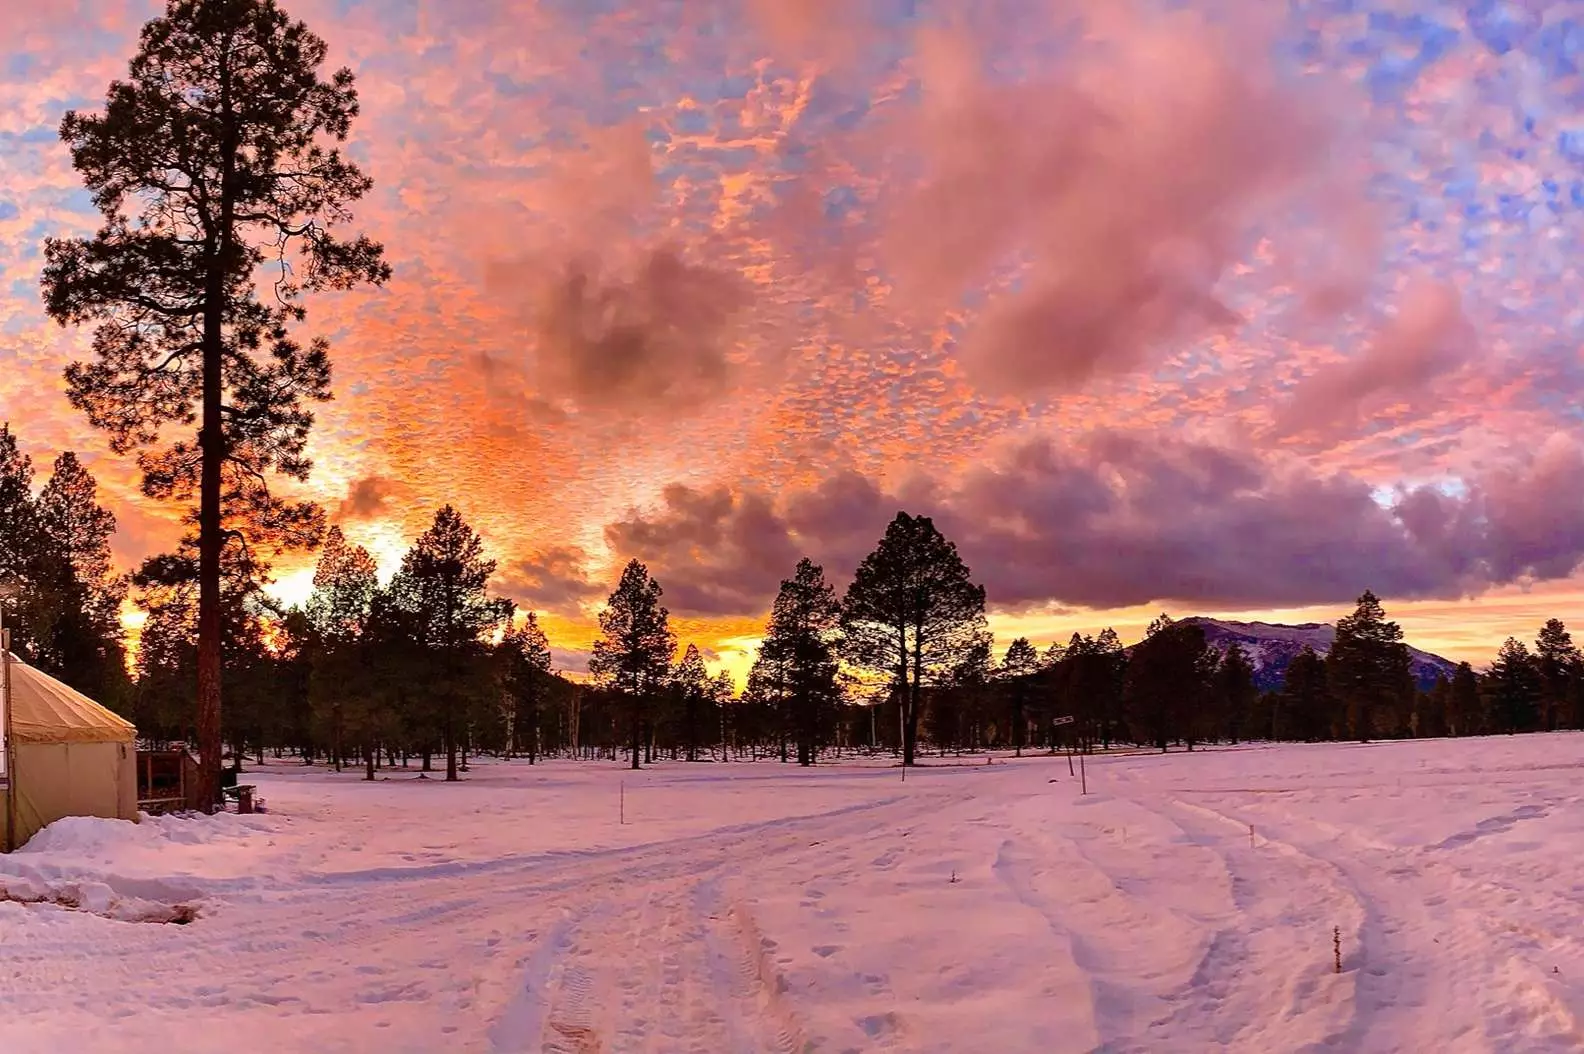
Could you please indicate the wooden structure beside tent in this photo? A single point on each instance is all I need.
(69, 756)
(167, 781)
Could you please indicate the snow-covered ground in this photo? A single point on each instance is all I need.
(747, 908)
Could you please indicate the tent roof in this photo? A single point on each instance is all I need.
(43, 710)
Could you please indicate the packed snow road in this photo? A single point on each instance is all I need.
(1188, 902)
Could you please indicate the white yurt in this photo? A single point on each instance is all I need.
(69, 756)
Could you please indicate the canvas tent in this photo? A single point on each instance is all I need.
(69, 756)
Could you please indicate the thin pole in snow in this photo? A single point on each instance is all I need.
(622, 806)
(1082, 775)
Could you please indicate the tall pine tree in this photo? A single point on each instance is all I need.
(1369, 668)
(912, 614)
(1236, 693)
(214, 162)
(1513, 689)
(632, 655)
(84, 641)
(23, 593)
(798, 656)
(341, 691)
(1305, 708)
(440, 601)
(1018, 668)
(1465, 709)
(694, 688)
(1557, 660)
(525, 651)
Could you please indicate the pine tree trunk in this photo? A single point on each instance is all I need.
(368, 760)
(210, 541)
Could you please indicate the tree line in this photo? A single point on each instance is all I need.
(429, 668)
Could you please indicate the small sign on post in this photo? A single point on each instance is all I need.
(1067, 720)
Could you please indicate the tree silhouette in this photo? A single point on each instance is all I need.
(1369, 668)
(1236, 692)
(210, 163)
(526, 654)
(440, 600)
(799, 655)
(23, 598)
(341, 695)
(1018, 667)
(633, 653)
(1465, 712)
(1513, 688)
(694, 690)
(1557, 661)
(911, 614)
(82, 645)
(1168, 683)
(1304, 706)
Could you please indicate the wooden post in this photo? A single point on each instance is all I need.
(1082, 775)
(622, 814)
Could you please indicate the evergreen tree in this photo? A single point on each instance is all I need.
(1305, 707)
(526, 653)
(84, 640)
(210, 164)
(632, 655)
(24, 598)
(1018, 668)
(769, 695)
(1557, 661)
(1513, 689)
(912, 614)
(440, 600)
(1433, 708)
(1369, 668)
(1168, 683)
(1465, 712)
(964, 699)
(797, 663)
(1110, 660)
(693, 688)
(341, 689)
(1236, 693)
(167, 660)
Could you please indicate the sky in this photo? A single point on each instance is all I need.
(1213, 308)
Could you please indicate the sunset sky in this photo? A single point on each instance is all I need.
(1210, 307)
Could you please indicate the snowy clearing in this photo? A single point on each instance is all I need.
(749, 908)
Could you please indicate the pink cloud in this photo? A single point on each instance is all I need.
(1428, 338)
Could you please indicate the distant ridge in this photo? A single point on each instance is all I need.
(1272, 647)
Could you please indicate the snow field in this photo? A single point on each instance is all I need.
(758, 908)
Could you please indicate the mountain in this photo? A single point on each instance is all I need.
(1272, 647)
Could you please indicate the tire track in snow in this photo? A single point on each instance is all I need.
(1268, 981)
(1402, 985)
(762, 1021)
(1432, 914)
(651, 969)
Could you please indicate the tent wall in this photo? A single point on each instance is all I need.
(53, 780)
